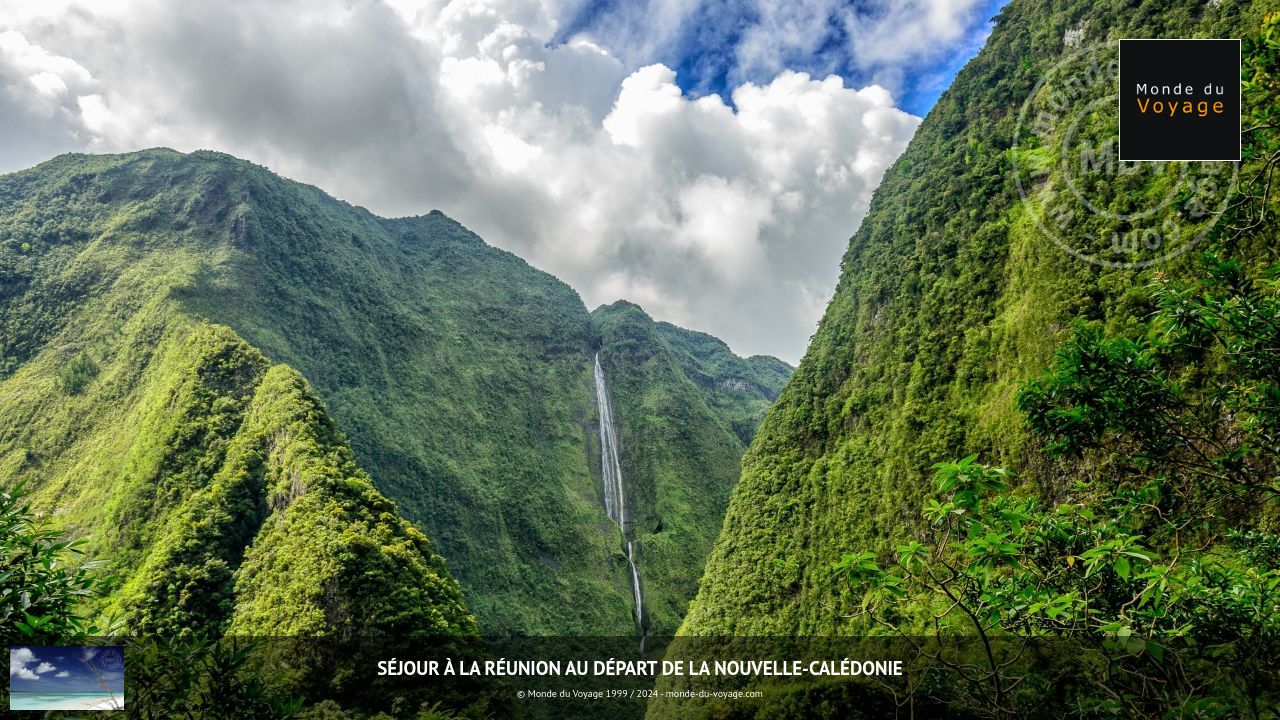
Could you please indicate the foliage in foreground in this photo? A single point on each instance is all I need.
(1159, 561)
(196, 678)
(46, 594)
(43, 579)
(1155, 576)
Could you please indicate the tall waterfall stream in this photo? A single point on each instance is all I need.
(615, 496)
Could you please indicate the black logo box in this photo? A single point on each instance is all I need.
(1185, 65)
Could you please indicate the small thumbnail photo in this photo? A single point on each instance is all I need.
(66, 678)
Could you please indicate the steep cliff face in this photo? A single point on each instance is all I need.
(950, 297)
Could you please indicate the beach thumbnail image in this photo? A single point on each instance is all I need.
(66, 678)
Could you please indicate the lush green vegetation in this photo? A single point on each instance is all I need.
(1159, 613)
(288, 537)
(141, 296)
(950, 298)
(147, 301)
(1154, 558)
(77, 374)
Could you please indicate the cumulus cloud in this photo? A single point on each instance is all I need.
(62, 673)
(19, 659)
(40, 96)
(24, 664)
(723, 214)
(723, 219)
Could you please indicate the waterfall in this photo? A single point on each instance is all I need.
(615, 497)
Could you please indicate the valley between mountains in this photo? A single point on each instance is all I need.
(223, 380)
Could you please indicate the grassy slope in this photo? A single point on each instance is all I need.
(460, 374)
(948, 299)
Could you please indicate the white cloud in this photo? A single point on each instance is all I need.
(902, 35)
(881, 36)
(726, 219)
(39, 96)
(899, 30)
(20, 660)
(44, 667)
(62, 673)
(723, 220)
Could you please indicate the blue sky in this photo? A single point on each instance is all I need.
(706, 159)
(705, 51)
(65, 669)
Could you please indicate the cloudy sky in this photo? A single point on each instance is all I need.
(707, 159)
(66, 669)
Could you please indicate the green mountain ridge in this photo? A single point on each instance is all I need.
(230, 463)
(949, 299)
(140, 297)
